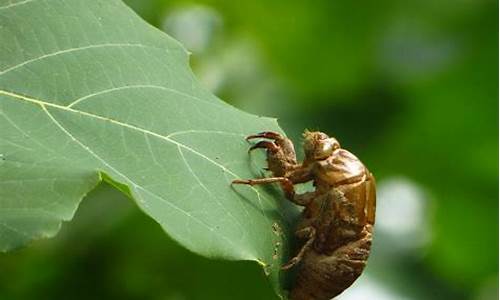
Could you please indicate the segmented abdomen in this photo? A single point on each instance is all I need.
(322, 277)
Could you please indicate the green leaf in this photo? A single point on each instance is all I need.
(90, 92)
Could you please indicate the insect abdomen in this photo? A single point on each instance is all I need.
(322, 277)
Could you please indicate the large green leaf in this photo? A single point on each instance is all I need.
(90, 92)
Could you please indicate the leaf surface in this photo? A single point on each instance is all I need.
(90, 92)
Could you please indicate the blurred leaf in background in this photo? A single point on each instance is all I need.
(410, 87)
(111, 251)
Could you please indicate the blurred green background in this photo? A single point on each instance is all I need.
(411, 87)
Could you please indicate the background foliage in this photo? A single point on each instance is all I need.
(410, 87)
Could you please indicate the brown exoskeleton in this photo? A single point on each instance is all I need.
(338, 218)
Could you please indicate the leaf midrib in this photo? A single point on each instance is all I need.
(44, 104)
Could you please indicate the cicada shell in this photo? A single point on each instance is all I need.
(338, 217)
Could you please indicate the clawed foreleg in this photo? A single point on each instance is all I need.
(269, 146)
(281, 156)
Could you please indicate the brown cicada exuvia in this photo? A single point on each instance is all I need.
(337, 222)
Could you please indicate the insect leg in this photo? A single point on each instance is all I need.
(307, 232)
(262, 180)
(300, 174)
(286, 184)
(281, 153)
(270, 146)
(265, 135)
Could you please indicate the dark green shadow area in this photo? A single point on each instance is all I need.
(113, 251)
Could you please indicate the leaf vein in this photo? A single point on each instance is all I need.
(203, 131)
(60, 107)
(138, 86)
(16, 4)
(21, 180)
(15, 230)
(69, 50)
(135, 185)
(197, 178)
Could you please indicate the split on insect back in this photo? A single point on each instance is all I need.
(336, 225)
